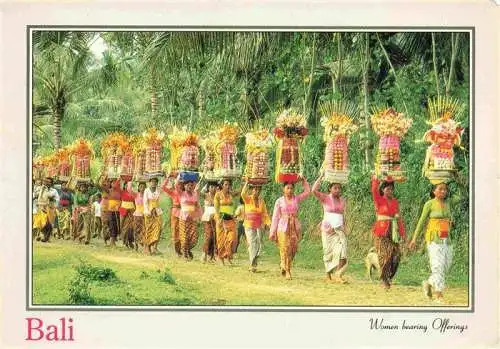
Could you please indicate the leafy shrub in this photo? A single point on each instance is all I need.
(93, 273)
(167, 277)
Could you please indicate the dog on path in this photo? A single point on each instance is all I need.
(372, 265)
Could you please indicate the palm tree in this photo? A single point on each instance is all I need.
(65, 69)
(246, 55)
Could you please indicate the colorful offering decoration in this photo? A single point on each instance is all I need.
(290, 131)
(338, 123)
(112, 151)
(52, 166)
(139, 158)
(210, 147)
(184, 154)
(127, 165)
(258, 146)
(226, 165)
(390, 126)
(82, 153)
(153, 141)
(38, 168)
(64, 163)
(444, 134)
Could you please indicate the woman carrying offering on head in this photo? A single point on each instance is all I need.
(83, 211)
(208, 219)
(388, 229)
(436, 217)
(174, 192)
(285, 226)
(226, 224)
(127, 210)
(255, 220)
(333, 230)
(188, 218)
(138, 224)
(152, 217)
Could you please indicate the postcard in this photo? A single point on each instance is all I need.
(207, 174)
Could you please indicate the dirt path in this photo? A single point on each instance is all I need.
(214, 284)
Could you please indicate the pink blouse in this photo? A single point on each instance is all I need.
(138, 200)
(330, 205)
(175, 197)
(285, 209)
(139, 205)
(189, 204)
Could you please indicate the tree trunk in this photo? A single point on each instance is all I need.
(307, 97)
(252, 96)
(201, 101)
(57, 128)
(366, 69)
(454, 50)
(436, 77)
(386, 55)
(339, 55)
(154, 103)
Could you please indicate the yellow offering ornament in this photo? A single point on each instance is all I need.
(226, 165)
(337, 119)
(258, 146)
(113, 147)
(82, 153)
(390, 125)
(290, 131)
(153, 141)
(444, 134)
(210, 147)
(184, 154)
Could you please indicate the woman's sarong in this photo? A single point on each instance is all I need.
(83, 224)
(174, 228)
(152, 229)
(333, 240)
(388, 257)
(188, 235)
(65, 222)
(139, 230)
(127, 228)
(114, 223)
(334, 249)
(106, 233)
(288, 243)
(209, 238)
(440, 257)
(226, 238)
(253, 241)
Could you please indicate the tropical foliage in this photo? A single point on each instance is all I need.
(194, 79)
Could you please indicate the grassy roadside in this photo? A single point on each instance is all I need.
(141, 280)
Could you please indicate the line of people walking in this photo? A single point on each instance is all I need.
(113, 210)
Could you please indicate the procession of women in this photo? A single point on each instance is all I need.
(122, 204)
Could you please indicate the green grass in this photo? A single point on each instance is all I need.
(167, 280)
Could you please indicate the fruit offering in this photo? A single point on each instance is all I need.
(390, 125)
(338, 122)
(153, 141)
(209, 145)
(64, 163)
(258, 145)
(226, 165)
(290, 131)
(184, 154)
(113, 148)
(444, 134)
(82, 153)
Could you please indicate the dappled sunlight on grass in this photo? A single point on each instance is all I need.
(143, 280)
